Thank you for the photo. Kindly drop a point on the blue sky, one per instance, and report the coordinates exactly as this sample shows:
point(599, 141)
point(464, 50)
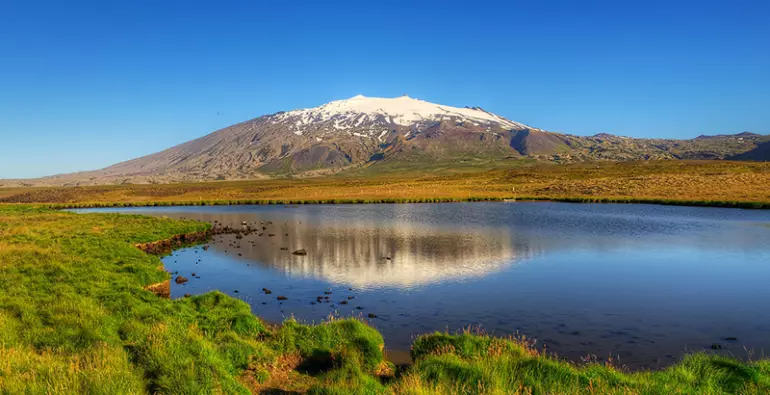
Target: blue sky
point(87, 84)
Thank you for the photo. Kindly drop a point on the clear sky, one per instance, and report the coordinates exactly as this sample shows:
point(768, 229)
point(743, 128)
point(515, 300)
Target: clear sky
point(87, 84)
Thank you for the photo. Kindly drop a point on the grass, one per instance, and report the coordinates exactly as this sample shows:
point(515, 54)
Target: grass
point(710, 183)
point(75, 317)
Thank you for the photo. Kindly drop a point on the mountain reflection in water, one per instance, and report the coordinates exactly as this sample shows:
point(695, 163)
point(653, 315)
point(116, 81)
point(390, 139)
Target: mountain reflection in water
point(371, 254)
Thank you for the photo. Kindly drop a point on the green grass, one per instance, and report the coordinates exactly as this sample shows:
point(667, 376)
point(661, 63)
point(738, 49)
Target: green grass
point(75, 318)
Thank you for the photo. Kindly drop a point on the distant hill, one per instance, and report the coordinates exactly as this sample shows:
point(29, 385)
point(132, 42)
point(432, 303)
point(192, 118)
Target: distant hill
point(379, 133)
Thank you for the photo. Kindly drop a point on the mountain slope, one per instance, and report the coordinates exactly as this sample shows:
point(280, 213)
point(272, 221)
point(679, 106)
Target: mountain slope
point(382, 132)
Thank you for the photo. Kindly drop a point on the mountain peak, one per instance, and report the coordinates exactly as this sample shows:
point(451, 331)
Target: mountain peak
point(401, 111)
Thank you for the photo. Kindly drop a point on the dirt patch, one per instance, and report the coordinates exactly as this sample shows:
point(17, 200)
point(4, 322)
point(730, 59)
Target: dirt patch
point(279, 377)
point(165, 246)
point(162, 289)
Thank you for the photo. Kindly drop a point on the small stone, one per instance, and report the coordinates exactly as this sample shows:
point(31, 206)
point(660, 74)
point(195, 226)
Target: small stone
point(282, 298)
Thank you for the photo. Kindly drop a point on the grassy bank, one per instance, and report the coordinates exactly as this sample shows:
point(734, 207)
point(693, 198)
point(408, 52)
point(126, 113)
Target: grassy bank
point(706, 183)
point(75, 318)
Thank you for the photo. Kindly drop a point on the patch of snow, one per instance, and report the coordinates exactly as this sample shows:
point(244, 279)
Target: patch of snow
point(319, 139)
point(384, 132)
point(298, 133)
point(402, 111)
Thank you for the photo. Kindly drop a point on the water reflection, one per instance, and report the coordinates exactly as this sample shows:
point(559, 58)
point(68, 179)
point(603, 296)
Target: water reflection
point(371, 254)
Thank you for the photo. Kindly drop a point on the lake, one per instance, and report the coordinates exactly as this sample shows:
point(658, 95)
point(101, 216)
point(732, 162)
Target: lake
point(643, 284)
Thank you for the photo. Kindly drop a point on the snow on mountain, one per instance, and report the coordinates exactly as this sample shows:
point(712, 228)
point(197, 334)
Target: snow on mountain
point(361, 111)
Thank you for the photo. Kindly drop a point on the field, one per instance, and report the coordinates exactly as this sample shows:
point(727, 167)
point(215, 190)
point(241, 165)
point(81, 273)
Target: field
point(75, 317)
point(742, 184)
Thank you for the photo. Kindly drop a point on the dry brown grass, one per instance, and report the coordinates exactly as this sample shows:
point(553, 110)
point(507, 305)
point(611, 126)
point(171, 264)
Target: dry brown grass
point(651, 180)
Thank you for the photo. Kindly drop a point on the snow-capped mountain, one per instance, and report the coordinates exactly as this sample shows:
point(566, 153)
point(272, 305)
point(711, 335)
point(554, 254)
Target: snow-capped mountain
point(340, 134)
point(398, 132)
point(385, 113)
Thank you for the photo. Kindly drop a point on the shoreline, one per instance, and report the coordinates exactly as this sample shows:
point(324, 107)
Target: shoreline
point(749, 205)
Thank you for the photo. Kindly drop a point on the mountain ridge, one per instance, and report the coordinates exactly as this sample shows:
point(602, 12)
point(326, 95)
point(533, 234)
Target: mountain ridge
point(371, 132)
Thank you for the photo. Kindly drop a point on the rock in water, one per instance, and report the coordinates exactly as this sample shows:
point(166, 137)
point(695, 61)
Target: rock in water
point(300, 252)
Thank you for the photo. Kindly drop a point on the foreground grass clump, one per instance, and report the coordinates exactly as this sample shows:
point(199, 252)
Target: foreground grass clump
point(476, 364)
point(75, 317)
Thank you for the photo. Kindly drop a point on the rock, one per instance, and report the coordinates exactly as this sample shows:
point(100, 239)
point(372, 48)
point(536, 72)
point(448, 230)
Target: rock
point(268, 292)
point(181, 280)
point(716, 346)
point(193, 274)
point(187, 295)
point(282, 298)
point(300, 252)
point(270, 235)
point(731, 338)
point(236, 291)
point(359, 308)
point(351, 297)
point(327, 292)
point(372, 315)
point(284, 248)
point(343, 302)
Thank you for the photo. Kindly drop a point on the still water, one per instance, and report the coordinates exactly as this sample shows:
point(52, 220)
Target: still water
point(643, 284)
